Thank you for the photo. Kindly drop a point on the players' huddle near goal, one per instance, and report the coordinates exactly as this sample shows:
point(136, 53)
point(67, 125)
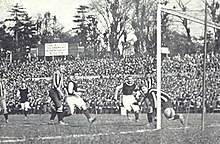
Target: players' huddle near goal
point(134, 96)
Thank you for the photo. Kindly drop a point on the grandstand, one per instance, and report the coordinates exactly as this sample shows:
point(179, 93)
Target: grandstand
point(181, 77)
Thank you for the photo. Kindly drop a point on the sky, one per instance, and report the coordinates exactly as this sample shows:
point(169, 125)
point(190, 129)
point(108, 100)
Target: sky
point(66, 9)
point(63, 9)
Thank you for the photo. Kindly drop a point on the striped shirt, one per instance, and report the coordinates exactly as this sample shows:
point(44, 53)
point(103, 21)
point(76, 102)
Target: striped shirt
point(165, 98)
point(149, 82)
point(58, 80)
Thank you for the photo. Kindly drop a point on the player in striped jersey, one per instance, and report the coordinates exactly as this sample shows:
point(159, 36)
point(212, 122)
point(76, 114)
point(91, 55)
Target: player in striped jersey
point(56, 95)
point(150, 100)
point(3, 98)
point(149, 81)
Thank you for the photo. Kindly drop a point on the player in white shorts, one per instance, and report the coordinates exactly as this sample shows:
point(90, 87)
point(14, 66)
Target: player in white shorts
point(74, 98)
point(128, 99)
point(24, 95)
point(3, 106)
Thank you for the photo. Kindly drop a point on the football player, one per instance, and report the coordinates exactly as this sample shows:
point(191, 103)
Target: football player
point(56, 95)
point(129, 101)
point(74, 99)
point(24, 94)
point(150, 100)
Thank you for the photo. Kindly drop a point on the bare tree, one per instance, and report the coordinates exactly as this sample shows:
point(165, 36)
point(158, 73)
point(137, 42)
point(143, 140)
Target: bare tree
point(143, 22)
point(48, 28)
point(183, 6)
point(213, 11)
point(184, 20)
point(114, 17)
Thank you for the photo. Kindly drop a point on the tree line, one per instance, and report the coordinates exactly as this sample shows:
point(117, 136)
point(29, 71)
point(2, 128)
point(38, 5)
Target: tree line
point(105, 25)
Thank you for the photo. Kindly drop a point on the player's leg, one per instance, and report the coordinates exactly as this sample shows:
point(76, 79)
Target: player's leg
point(180, 117)
point(79, 102)
point(136, 114)
point(53, 115)
point(150, 110)
point(22, 108)
point(4, 108)
point(151, 117)
point(26, 107)
point(58, 105)
point(70, 100)
point(127, 104)
point(68, 108)
point(135, 107)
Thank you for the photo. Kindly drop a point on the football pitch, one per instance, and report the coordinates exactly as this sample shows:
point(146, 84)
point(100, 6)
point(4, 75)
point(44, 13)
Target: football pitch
point(108, 129)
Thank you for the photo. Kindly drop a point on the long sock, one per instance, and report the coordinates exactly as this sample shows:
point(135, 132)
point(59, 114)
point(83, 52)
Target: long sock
point(53, 115)
point(86, 112)
point(136, 114)
point(66, 114)
point(127, 113)
point(176, 117)
point(25, 113)
point(150, 117)
point(6, 116)
point(60, 116)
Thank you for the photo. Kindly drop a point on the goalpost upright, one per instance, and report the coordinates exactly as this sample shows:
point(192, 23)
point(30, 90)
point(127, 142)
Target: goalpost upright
point(161, 8)
point(204, 69)
point(158, 126)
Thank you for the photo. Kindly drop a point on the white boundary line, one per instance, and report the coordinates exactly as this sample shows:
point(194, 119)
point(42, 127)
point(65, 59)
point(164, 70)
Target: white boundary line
point(6, 137)
point(18, 125)
point(17, 139)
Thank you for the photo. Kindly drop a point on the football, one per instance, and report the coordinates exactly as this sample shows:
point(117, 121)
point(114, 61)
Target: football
point(169, 113)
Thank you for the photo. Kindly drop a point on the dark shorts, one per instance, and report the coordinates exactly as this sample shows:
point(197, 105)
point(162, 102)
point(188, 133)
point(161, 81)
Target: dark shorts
point(167, 104)
point(54, 95)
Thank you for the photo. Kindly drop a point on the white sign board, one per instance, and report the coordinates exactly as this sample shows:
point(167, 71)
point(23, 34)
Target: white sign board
point(165, 50)
point(81, 49)
point(56, 49)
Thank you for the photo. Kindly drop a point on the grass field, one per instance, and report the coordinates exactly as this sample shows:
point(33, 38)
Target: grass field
point(109, 128)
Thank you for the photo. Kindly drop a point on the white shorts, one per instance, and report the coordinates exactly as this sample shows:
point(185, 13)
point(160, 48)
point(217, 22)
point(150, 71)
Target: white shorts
point(128, 102)
point(3, 106)
point(25, 106)
point(73, 101)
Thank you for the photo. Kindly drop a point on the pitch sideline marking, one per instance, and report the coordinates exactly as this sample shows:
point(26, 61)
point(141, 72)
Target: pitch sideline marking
point(17, 139)
point(14, 139)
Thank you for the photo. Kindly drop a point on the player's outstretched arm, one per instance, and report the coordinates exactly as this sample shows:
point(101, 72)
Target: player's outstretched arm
point(117, 90)
point(18, 93)
point(81, 90)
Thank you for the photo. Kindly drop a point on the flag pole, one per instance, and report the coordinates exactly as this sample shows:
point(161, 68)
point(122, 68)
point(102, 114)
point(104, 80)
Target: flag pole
point(204, 69)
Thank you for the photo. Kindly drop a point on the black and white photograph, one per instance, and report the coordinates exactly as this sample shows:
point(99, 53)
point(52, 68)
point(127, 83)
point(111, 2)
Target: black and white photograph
point(110, 71)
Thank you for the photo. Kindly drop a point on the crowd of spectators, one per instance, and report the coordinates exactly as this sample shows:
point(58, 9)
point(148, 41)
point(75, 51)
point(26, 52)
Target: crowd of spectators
point(182, 79)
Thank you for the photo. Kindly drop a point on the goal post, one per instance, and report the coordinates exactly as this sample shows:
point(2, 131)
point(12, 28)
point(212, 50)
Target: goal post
point(160, 9)
point(158, 126)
